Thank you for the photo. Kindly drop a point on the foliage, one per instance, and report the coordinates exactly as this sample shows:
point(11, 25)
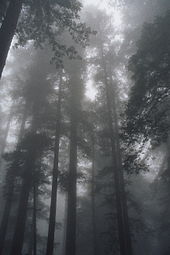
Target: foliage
point(148, 107)
point(45, 22)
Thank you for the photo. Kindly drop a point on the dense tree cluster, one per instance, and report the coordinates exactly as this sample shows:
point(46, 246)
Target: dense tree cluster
point(80, 174)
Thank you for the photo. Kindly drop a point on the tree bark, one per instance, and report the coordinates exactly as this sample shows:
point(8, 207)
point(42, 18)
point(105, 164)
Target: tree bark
point(52, 218)
point(6, 213)
point(122, 196)
point(18, 239)
point(35, 219)
point(70, 248)
point(11, 179)
point(94, 227)
point(23, 122)
point(121, 202)
point(7, 30)
point(4, 143)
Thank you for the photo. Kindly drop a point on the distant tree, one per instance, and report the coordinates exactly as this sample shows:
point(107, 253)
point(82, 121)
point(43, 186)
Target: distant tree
point(35, 141)
point(75, 83)
point(107, 60)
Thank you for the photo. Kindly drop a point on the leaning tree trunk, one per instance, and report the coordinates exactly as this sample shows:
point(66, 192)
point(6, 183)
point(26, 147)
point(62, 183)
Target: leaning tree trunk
point(7, 30)
point(11, 175)
point(121, 202)
point(70, 247)
point(52, 219)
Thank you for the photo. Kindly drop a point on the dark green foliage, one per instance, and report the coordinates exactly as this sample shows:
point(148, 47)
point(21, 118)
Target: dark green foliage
point(45, 23)
point(148, 107)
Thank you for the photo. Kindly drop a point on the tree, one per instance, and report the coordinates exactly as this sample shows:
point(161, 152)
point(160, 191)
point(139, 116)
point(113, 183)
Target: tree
point(7, 30)
point(148, 106)
point(35, 141)
point(52, 218)
point(33, 14)
point(107, 60)
point(75, 109)
point(93, 201)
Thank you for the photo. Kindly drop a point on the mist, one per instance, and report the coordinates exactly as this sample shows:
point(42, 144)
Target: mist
point(84, 127)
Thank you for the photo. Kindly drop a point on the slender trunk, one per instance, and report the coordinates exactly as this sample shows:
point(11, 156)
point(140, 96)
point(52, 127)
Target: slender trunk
point(71, 200)
point(6, 213)
point(34, 220)
point(64, 227)
point(23, 122)
point(121, 202)
point(93, 202)
point(30, 245)
point(52, 219)
point(7, 30)
point(32, 248)
point(122, 184)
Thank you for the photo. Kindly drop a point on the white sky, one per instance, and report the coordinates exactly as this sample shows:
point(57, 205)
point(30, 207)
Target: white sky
point(101, 4)
point(90, 90)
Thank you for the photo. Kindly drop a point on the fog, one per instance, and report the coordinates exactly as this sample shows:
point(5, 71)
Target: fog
point(84, 127)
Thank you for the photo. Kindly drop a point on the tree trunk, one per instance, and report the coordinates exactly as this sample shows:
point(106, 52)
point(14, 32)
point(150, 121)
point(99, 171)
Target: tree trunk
point(11, 179)
point(19, 231)
point(121, 202)
point(121, 193)
point(32, 247)
point(70, 248)
point(6, 213)
point(35, 220)
point(23, 122)
point(93, 202)
point(4, 143)
point(7, 30)
point(52, 218)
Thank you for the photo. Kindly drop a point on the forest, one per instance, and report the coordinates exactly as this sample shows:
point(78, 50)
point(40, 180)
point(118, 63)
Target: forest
point(84, 127)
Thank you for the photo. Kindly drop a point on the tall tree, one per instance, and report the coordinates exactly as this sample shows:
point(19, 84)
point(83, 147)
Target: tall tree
point(53, 204)
point(9, 194)
point(121, 203)
point(12, 172)
point(107, 59)
point(35, 142)
point(75, 108)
